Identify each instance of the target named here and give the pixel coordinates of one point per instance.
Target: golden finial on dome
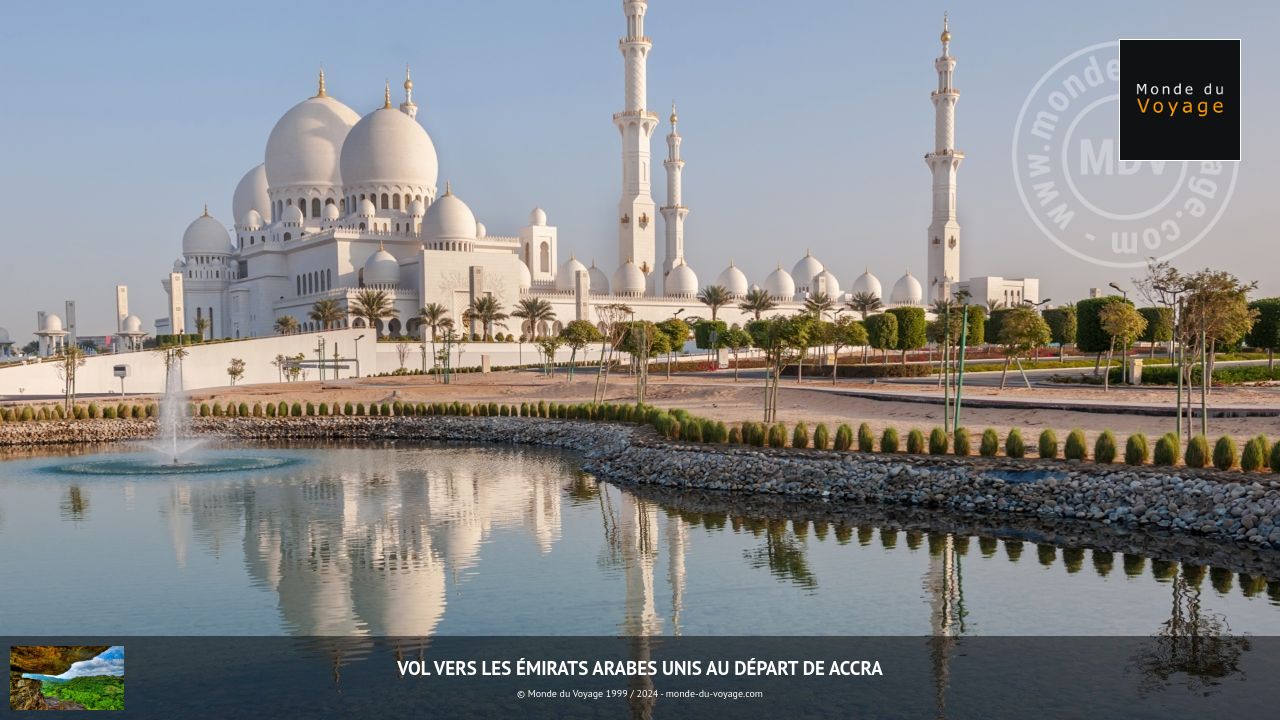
(408, 81)
(448, 187)
(946, 33)
(386, 96)
(206, 210)
(320, 91)
(674, 118)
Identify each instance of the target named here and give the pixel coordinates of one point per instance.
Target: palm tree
(488, 312)
(757, 302)
(818, 305)
(994, 304)
(326, 312)
(714, 297)
(533, 312)
(373, 306)
(432, 317)
(864, 303)
(286, 324)
(202, 327)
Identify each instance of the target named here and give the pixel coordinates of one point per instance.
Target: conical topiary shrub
(1274, 460)
(778, 436)
(1104, 449)
(915, 442)
(821, 437)
(1075, 447)
(866, 439)
(989, 446)
(844, 437)
(938, 441)
(1197, 452)
(889, 440)
(800, 436)
(1014, 446)
(1224, 453)
(1135, 450)
(961, 444)
(1254, 457)
(1047, 446)
(1166, 452)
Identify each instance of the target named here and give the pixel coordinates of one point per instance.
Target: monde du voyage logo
(1126, 150)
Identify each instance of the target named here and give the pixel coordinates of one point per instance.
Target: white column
(944, 163)
(636, 208)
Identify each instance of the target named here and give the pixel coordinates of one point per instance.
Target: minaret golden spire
(206, 210)
(386, 96)
(320, 92)
(448, 188)
(946, 32)
(408, 84)
(674, 118)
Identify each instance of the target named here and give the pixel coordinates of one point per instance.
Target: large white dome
(682, 282)
(833, 284)
(779, 285)
(868, 283)
(628, 280)
(907, 291)
(805, 270)
(568, 274)
(305, 145)
(251, 194)
(206, 236)
(733, 280)
(599, 281)
(381, 269)
(449, 218)
(389, 148)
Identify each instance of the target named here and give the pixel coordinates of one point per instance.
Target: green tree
(203, 326)
(845, 332)
(779, 338)
(1090, 337)
(488, 312)
(818, 305)
(1265, 333)
(235, 370)
(882, 332)
(677, 332)
(1122, 323)
(736, 340)
(1159, 326)
(912, 329)
(714, 297)
(68, 363)
(326, 313)
(1022, 332)
(374, 306)
(1062, 326)
(577, 335)
(757, 302)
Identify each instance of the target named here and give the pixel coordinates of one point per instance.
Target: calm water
(461, 540)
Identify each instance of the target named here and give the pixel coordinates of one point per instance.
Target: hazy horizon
(804, 127)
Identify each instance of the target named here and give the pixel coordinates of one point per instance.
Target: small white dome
(449, 218)
(251, 194)
(133, 324)
(206, 236)
(779, 285)
(251, 220)
(367, 208)
(179, 264)
(387, 147)
(481, 230)
(868, 283)
(52, 324)
(599, 281)
(331, 212)
(833, 284)
(305, 144)
(417, 208)
(733, 280)
(628, 280)
(682, 282)
(805, 270)
(292, 215)
(538, 217)
(526, 277)
(381, 269)
(568, 274)
(907, 291)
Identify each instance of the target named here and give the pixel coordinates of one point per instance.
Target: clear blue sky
(804, 126)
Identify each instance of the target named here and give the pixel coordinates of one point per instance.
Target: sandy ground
(812, 401)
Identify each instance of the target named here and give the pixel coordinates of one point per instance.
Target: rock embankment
(1224, 506)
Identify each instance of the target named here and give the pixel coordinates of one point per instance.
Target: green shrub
(322, 409)
(296, 409)
(1104, 449)
(1265, 444)
(1197, 452)
(153, 410)
(282, 409)
(311, 409)
(1076, 448)
(821, 437)
(1224, 453)
(94, 411)
(693, 432)
(493, 409)
(1014, 446)
(542, 409)
(1136, 450)
(800, 436)
(778, 436)
(231, 410)
(271, 409)
(360, 408)
(244, 409)
(257, 409)
(866, 439)
(961, 444)
(204, 410)
(348, 408)
(721, 433)
(1047, 447)
(989, 445)
(123, 411)
(844, 437)
(108, 413)
(1274, 458)
(1166, 452)
(1254, 457)
(915, 441)
(735, 435)
(218, 410)
(386, 410)
(757, 435)
(938, 441)
(889, 440)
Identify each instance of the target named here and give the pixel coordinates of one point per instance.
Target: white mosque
(343, 202)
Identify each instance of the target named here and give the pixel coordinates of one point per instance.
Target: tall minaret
(944, 161)
(407, 107)
(636, 221)
(674, 212)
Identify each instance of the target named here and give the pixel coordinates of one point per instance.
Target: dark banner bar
(1165, 678)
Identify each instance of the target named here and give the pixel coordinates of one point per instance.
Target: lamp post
(358, 339)
(320, 356)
